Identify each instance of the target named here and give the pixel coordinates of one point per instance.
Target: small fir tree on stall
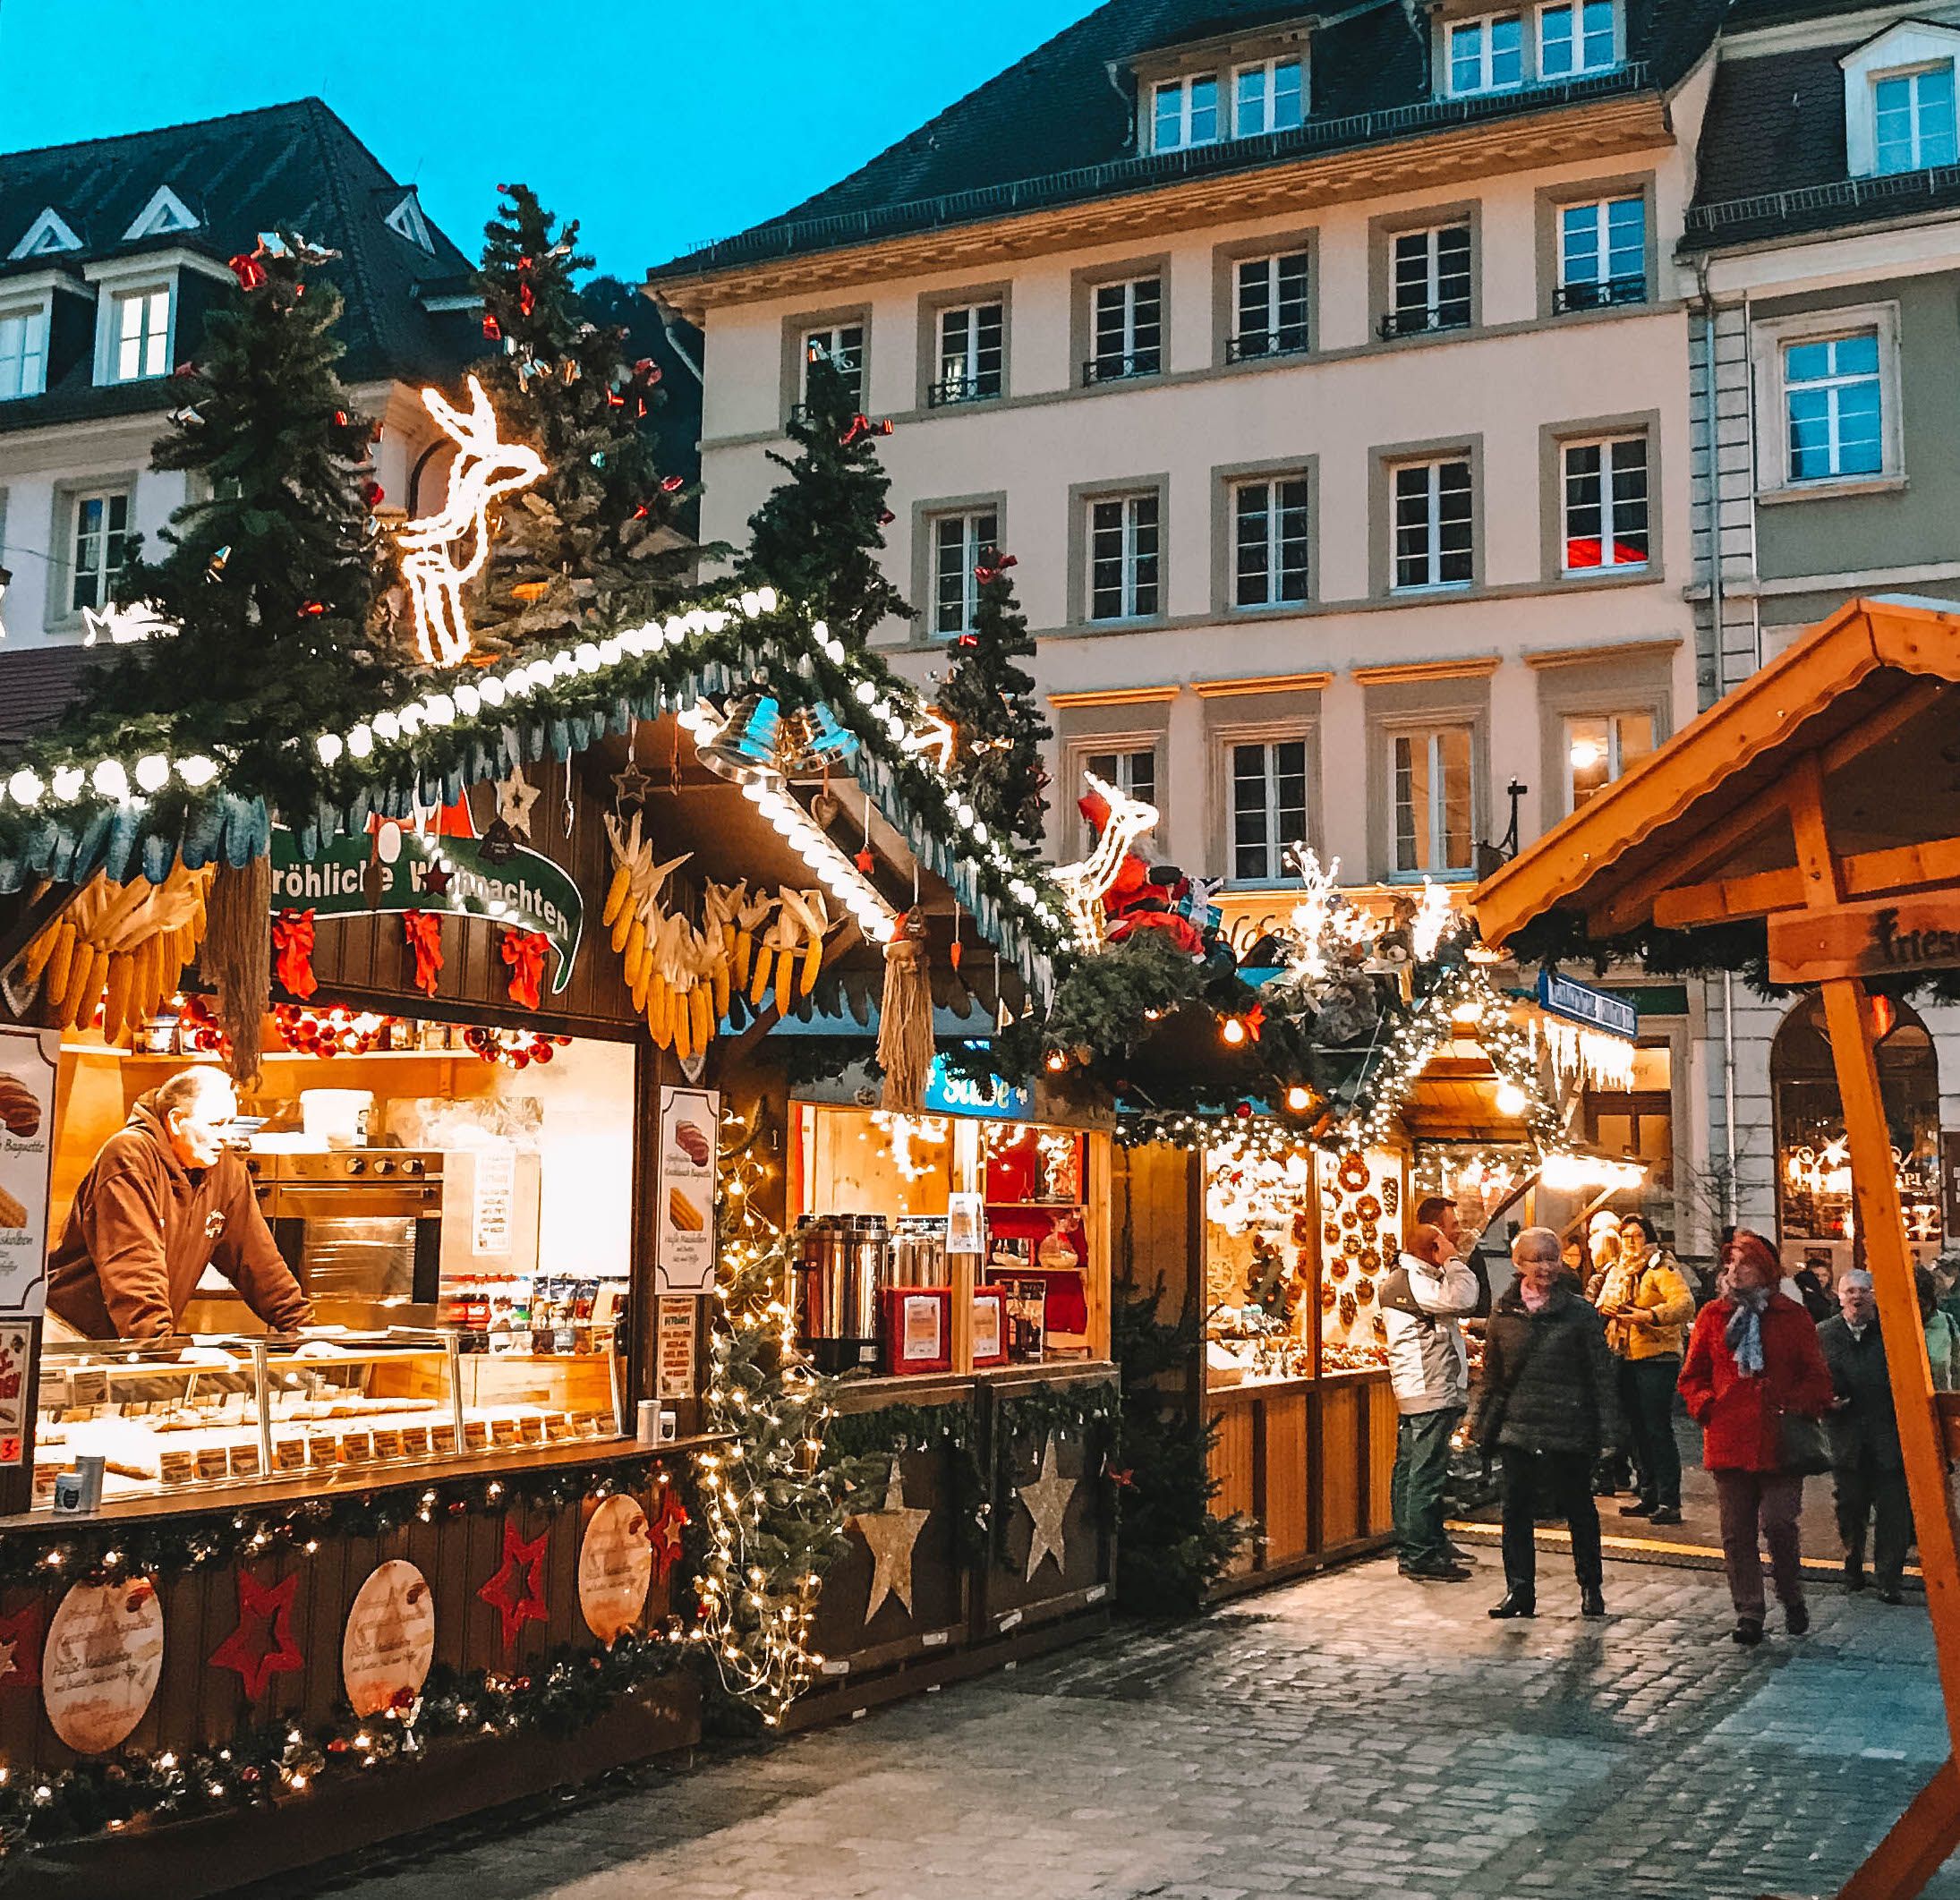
(599, 543)
(817, 539)
(991, 704)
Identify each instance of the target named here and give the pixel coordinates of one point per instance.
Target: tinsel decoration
(292, 953)
(237, 958)
(905, 1019)
(423, 930)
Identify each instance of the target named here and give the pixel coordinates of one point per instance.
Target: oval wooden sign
(103, 1659)
(390, 1638)
(615, 1568)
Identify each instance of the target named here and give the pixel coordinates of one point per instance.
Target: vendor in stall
(163, 1199)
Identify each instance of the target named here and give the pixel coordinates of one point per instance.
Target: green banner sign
(353, 876)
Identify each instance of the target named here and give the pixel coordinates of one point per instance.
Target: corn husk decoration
(905, 1019)
(237, 959)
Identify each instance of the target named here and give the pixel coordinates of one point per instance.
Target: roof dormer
(48, 236)
(407, 221)
(165, 216)
(1899, 100)
(1209, 91)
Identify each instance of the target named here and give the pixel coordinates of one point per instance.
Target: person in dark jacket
(1545, 1405)
(1867, 1468)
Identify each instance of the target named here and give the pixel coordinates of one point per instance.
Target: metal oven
(360, 1228)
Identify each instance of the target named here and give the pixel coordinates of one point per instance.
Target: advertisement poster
(28, 1059)
(15, 1339)
(389, 1643)
(490, 1212)
(676, 1352)
(684, 1255)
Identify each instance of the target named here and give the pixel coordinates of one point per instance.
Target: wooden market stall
(1802, 820)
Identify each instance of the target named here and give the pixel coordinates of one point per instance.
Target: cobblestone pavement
(1352, 1735)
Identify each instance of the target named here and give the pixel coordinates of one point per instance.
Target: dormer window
(139, 330)
(407, 221)
(1567, 39)
(1912, 120)
(48, 236)
(1577, 38)
(165, 216)
(1487, 55)
(1268, 96)
(1185, 113)
(23, 352)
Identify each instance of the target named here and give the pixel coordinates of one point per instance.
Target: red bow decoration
(292, 952)
(524, 951)
(423, 930)
(249, 271)
(862, 426)
(989, 571)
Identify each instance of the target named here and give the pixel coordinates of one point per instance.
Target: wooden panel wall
(1283, 1467)
(1341, 1423)
(1383, 1419)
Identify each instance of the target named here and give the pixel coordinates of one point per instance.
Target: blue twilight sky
(658, 125)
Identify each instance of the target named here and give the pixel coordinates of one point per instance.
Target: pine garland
(1086, 1411)
(891, 1430)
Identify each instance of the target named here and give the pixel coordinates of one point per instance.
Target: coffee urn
(842, 1260)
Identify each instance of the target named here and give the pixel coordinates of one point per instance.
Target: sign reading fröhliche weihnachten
(27, 1062)
(684, 1250)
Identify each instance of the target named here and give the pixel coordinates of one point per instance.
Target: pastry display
(1369, 1209)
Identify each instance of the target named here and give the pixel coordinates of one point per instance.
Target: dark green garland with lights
(1089, 1413)
(891, 1430)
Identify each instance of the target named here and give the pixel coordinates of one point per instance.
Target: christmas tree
(271, 588)
(989, 701)
(817, 537)
(597, 543)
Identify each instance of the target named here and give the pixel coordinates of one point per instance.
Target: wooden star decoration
(663, 1531)
(262, 1646)
(20, 1648)
(516, 1592)
(1047, 1501)
(892, 1536)
(515, 798)
(630, 788)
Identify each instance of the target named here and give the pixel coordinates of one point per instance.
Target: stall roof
(1701, 833)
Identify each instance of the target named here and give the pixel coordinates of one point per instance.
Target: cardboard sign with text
(1886, 937)
(29, 1059)
(690, 1129)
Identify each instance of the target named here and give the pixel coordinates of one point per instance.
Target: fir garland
(1089, 1410)
(892, 1430)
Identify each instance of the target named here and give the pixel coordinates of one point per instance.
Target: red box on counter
(989, 1327)
(918, 1329)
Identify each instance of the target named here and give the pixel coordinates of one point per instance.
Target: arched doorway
(1815, 1218)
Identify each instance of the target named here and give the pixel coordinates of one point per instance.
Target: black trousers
(1565, 1480)
(1647, 1392)
(1868, 1493)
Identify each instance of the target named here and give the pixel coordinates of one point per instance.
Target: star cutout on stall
(515, 798)
(262, 1646)
(1047, 1501)
(516, 1592)
(20, 1648)
(892, 1536)
(663, 1531)
(630, 788)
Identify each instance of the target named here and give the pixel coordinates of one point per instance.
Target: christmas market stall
(1794, 833)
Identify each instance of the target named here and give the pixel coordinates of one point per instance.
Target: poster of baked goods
(684, 1259)
(28, 1060)
(102, 1662)
(615, 1568)
(390, 1638)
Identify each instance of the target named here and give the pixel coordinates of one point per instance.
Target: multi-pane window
(1602, 253)
(843, 344)
(970, 354)
(1487, 55)
(1432, 774)
(1912, 120)
(1434, 542)
(1605, 504)
(1134, 773)
(1430, 285)
(958, 542)
(1126, 326)
(99, 551)
(23, 352)
(1576, 39)
(1271, 523)
(1833, 406)
(142, 334)
(1272, 306)
(1268, 807)
(1123, 558)
(1599, 749)
(1185, 113)
(1268, 96)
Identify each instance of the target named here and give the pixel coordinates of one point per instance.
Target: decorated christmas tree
(989, 701)
(598, 542)
(818, 536)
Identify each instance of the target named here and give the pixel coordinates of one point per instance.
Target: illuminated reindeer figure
(486, 468)
(1083, 884)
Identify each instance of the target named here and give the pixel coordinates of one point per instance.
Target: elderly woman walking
(1756, 1383)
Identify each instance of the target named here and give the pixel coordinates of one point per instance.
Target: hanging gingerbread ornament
(523, 951)
(422, 931)
(292, 952)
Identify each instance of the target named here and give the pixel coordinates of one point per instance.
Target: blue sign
(1579, 1002)
(990, 1098)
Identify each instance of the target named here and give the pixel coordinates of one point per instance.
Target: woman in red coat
(1752, 1357)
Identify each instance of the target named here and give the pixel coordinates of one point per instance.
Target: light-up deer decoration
(1086, 883)
(486, 468)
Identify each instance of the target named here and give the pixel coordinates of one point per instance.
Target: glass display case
(184, 1416)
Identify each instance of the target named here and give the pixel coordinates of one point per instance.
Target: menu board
(683, 1253)
(28, 1061)
(676, 1352)
(496, 1184)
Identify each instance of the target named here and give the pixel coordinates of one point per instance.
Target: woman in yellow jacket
(1647, 1309)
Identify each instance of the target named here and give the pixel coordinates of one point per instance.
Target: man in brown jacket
(164, 1201)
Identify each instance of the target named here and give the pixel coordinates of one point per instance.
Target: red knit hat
(1753, 1247)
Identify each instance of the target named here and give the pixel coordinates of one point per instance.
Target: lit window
(1578, 39)
(1133, 773)
(1602, 253)
(1486, 56)
(1433, 525)
(1123, 564)
(1598, 750)
(957, 543)
(1185, 113)
(969, 354)
(142, 334)
(100, 549)
(1271, 522)
(1268, 808)
(1432, 771)
(1832, 404)
(1429, 287)
(1912, 115)
(23, 352)
(843, 344)
(1127, 327)
(1605, 504)
(1268, 97)
(1272, 307)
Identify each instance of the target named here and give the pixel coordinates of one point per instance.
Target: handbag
(1802, 1450)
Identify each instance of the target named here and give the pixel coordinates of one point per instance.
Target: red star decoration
(663, 1533)
(435, 883)
(20, 1648)
(262, 1646)
(516, 1592)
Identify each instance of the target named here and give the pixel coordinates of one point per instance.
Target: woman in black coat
(1544, 1406)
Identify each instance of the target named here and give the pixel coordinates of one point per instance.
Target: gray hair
(188, 1088)
(1536, 1243)
(1855, 1276)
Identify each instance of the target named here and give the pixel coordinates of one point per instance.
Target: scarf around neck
(1745, 1331)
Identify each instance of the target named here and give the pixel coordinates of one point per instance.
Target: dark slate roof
(1055, 129)
(37, 684)
(295, 168)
